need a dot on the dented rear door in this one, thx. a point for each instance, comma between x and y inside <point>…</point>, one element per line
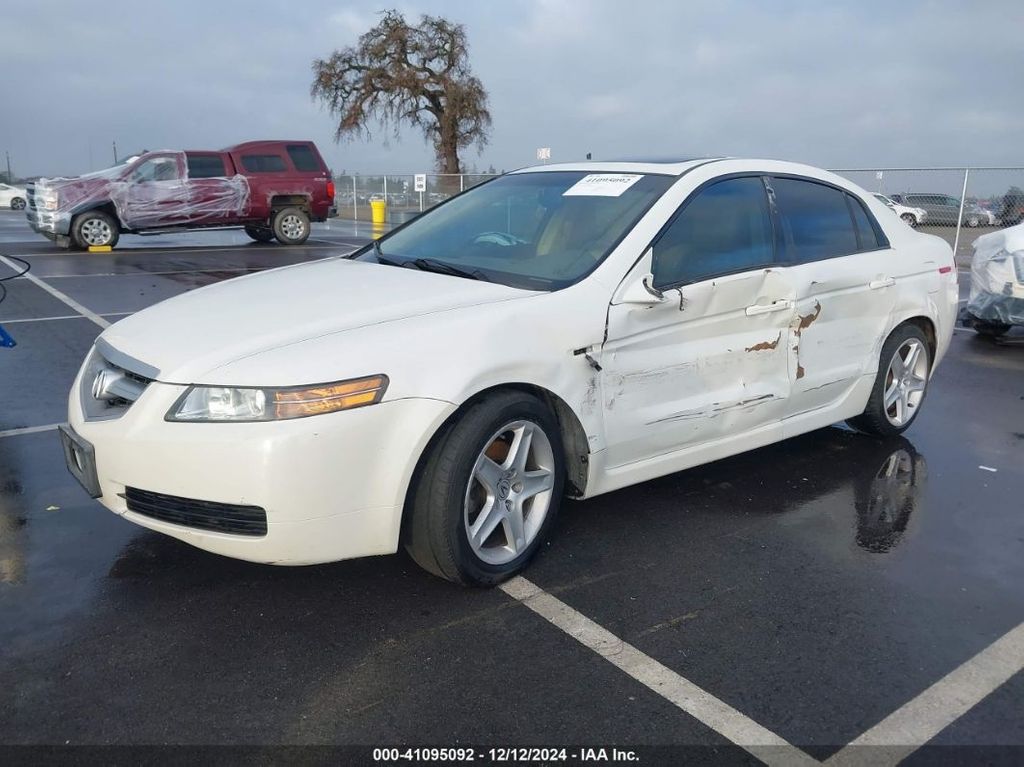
<point>845,277</point>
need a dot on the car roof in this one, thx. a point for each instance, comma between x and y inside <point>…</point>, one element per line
<point>663,167</point>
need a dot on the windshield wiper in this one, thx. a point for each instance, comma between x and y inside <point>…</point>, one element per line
<point>443,267</point>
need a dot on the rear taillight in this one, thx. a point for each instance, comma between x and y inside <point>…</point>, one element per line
<point>330,189</point>
<point>945,269</point>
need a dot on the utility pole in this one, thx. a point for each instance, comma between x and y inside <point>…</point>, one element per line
<point>10,178</point>
<point>115,152</point>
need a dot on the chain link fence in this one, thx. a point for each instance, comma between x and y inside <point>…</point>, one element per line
<point>957,204</point>
<point>353,194</point>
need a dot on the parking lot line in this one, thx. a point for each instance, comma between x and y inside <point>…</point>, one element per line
<point>87,313</point>
<point>924,717</point>
<point>28,430</point>
<point>698,703</point>
<point>159,250</point>
<point>64,317</point>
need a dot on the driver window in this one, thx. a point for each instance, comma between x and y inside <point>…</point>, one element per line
<point>157,169</point>
<point>725,228</point>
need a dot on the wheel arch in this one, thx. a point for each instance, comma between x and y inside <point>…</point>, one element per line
<point>927,327</point>
<point>574,438</point>
<point>107,206</point>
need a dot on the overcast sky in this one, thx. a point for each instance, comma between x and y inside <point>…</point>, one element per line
<point>854,84</point>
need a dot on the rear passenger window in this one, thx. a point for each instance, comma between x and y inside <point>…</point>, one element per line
<point>725,228</point>
<point>263,163</point>
<point>866,232</point>
<point>303,158</point>
<point>205,166</point>
<point>816,222</point>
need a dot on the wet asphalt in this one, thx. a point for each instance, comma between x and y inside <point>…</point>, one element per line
<point>816,585</point>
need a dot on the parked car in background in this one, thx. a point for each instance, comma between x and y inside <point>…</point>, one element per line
<point>272,189</point>
<point>13,197</point>
<point>913,217</point>
<point>1011,212</point>
<point>561,330</point>
<point>942,209</point>
<point>977,215</point>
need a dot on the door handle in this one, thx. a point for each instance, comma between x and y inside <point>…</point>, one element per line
<point>775,306</point>
<point>888,282</point>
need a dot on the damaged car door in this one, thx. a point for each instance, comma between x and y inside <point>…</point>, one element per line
<point>845,276</point>
<point>155,193</point>
<point>698,332</point>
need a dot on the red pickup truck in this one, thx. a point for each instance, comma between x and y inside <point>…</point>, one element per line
<point>272,189</point>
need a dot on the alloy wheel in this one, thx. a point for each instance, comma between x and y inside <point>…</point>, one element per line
<point>509,492</point>
<point>96,231</point>
<point>905,381</point>
<point>293,227</point>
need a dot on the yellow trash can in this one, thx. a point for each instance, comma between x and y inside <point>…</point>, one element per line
<point>379,211</point>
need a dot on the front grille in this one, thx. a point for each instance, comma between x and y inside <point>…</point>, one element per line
<point>203,515</point>
<point>108,390</point>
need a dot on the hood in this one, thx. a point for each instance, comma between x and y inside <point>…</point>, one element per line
<point>186,337</point>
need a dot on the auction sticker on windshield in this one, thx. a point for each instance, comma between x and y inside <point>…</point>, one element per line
<point>602,185</point>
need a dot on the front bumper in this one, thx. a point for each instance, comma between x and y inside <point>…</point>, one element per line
<point>50,224</point>
<point>333,486</point>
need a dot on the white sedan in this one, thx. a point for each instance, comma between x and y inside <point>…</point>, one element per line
<point>12,197</point>
<point>913,217</point>
<point>561,330</point>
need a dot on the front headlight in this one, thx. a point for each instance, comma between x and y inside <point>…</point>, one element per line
<point>237,404</point>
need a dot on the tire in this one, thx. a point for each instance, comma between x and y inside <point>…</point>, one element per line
<point>94,228</point>
<point>291,226</point>
<point>450,500</point>
<point>905,394</point>
<point>973,221</point>
<point>260,233</point>
<point>17,204</point>
<point>910,220</point>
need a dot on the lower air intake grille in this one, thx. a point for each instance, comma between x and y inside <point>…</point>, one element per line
<point>204,515</point>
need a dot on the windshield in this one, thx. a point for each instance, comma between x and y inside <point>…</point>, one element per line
<point>540,231</point>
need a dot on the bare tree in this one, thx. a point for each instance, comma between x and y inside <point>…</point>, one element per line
<point>407,74</point>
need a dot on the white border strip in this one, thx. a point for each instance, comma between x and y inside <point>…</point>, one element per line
<point>698,703</point>
<point>64,317</point>
<point>924,717</point>
<point>87,313</point>
<point>28,430</point>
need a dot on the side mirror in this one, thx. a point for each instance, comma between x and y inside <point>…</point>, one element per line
<point>642,292</point>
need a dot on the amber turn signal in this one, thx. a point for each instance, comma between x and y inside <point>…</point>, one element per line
<point>327,398</point>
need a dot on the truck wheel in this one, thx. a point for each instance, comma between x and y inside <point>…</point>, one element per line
<point>488,491</point>
<point>17,204</point>
<point>291,226</point>
<point>94,228</point>
<point>260,233</point>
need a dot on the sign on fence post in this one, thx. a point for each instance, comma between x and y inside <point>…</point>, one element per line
<point>544,153</point>
<point>419,184</point>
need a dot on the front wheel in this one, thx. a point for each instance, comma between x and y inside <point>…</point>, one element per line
<point>488,491</point>
<point>17,204</point>
<point>903,369</point>
<point>291,226</point>
<point>973,221</point>
<point>910,220</point>
<point>94,229</point>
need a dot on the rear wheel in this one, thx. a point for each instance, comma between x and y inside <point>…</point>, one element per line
<point>973,221</point>
<point>910,220</point>
<point>291,226</point>
<point>260,233</point>
<point>488,492</point>
<point>17,204</point>
<point>901,384</point>
<point>94,228</point>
